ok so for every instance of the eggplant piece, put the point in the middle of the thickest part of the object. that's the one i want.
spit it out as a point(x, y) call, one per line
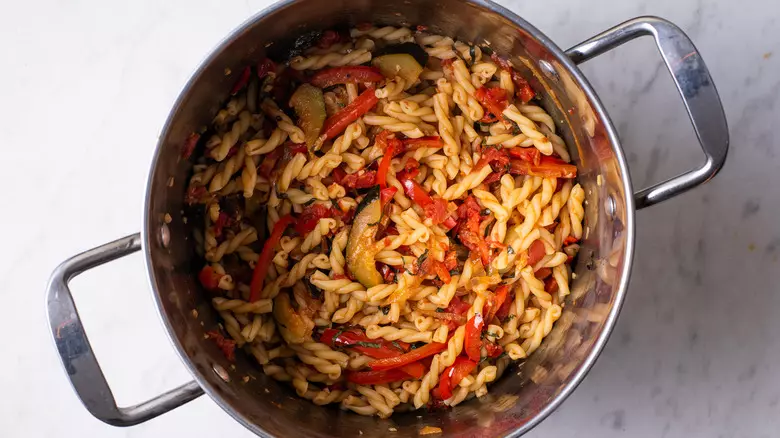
point(309, 106)
point(398, 64)
point(292, 326)
point(361, 247)
point(418, 53)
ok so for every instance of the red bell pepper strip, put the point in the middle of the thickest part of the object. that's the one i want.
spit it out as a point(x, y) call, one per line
point(498, 158)
point(522, 89)
point(437, 212)
point(477, 244)
point(265, 67)
point(503, 311)
point(328, 38)
point(189, 145)
point(279, 157)
point(536, 252)
point(222, 221)
point(414, 190)
point(447, 316)
point(543, 273)
point(346, 75)
point(472, 344)
point(408, 358)
point(384, 166)
point(431, 141)
point(449, 223)
point(338, 122)
point(432, 266)
point(458, 306)
point(570, 240)
point(453, 374)
point(310, 217)
point(532, 155)
point(242, 80)
point(375, 348)
point(209, 278)
point(550, 285)
point(468, 229)
point(496, 301)
point(548, 167)
point(493, 99)
point(354, 337)
point(386, 194)
point(261, 268)
point(228, 346)
point(493, 350)
point(388, 274)
point(376, 377)
point(435, 208)
point(358, 180)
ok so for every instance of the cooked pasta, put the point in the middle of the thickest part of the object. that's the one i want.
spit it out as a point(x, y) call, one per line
point(422, 208)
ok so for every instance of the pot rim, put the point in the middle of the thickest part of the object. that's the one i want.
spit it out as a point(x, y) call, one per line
point(572, 69)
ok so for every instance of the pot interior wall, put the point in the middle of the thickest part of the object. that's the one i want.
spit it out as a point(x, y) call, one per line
point(516, 400)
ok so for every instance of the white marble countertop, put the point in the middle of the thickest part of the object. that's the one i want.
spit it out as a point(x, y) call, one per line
point(86, 86)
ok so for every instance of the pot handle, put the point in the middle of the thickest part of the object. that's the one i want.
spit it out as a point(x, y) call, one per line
point(695, 86)
point(76, 354)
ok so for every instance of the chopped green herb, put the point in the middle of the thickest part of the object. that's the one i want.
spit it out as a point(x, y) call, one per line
point(487, 50)
point(491, 334)
point(421, 259)
point(473, 54)
point(417, 345)
point(310, 201)
point(482, 360)
point(454, 272)
point(397, 345)
point(439, 310)
point(510, 317)
point(385, 309)
point(369, 344)
point(515, 127)
point(510, 250)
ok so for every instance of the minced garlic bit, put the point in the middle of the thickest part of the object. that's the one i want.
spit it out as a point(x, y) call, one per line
point(170, 181)
point(228, 71)
point(194, 313)
point(167, 218)
point(392, 429)
point(246, 379)
point(430, 430)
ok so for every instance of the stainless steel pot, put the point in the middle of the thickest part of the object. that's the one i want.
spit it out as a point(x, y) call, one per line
point(517, 402)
